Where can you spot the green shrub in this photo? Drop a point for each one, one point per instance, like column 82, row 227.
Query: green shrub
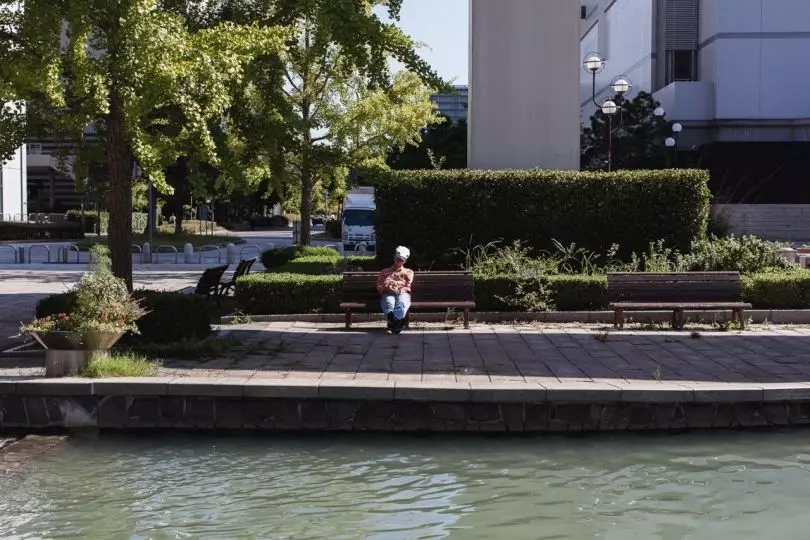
column 435, row 212
column 40, row 231
column 274, row 258
column 362, row 264
column 171, row 316
column 139, row 220
column 314, row 265
column 334, row 228
column 268, row 293
column 744, row 254
column 784, row 290
column 562, row 293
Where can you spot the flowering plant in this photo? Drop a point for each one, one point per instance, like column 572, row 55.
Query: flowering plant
column 52, row 323
column 102, row 304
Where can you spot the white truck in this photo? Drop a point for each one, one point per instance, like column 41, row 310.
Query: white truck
column 357, row 221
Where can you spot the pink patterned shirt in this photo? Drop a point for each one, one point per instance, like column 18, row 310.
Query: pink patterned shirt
column 402, row 279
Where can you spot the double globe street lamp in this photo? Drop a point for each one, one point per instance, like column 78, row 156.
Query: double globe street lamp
column 672, row 141
column 620, row 85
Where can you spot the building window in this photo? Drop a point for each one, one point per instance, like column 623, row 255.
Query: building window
column 681, row 66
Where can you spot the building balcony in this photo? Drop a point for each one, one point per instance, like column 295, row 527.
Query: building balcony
column 688, row 101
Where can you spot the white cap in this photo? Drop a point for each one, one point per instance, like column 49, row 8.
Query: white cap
column 402, row 253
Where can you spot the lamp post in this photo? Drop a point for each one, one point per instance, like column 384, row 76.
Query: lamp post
column 620, row 85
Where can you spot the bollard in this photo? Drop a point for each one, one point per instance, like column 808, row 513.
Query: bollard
column 147, row 253
column 188, row 254
column 231, row 255
column 21, row 256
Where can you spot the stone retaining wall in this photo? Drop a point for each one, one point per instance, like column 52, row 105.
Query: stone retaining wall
column 44, row 413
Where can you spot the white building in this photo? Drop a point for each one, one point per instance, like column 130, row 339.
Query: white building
column 14, row 187
column 728, row 70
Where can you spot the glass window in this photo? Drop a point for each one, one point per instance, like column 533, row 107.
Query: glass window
column 361, row 218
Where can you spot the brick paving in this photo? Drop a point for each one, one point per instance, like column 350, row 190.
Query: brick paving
column 549, row 355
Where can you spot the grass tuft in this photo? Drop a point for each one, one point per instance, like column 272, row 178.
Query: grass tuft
column 119, row 365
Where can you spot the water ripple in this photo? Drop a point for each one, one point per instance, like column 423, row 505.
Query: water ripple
column 695, row 486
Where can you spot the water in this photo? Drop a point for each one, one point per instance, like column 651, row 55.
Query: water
column 712, row 486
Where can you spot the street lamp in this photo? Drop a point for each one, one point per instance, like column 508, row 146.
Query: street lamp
column 621, row 85
column 659, row 112
column 609, row 109
column 593, row 64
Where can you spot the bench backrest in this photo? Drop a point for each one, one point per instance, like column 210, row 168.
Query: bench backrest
column 674, row 287
column 361, row 287
column 243, row 268
column 210, row 279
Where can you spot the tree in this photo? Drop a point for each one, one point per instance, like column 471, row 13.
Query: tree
column 111, row 68
column 331, row 91
column 442, row 144
column 636, row 141
column 12, row 126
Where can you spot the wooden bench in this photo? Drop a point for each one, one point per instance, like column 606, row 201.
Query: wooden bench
column 242, row 269
column 209, row 283
column 430, row 291
column 697, row 291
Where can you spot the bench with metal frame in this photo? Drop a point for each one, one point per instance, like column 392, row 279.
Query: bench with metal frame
column 209, row 283
column 242, row 269
column 431, row 291
column 676, row 291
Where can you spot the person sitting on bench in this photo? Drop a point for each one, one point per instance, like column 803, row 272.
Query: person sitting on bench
column 394, row 284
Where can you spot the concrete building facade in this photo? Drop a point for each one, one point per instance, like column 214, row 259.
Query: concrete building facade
column 14, row 187
column 524, row 63
column 728, row 70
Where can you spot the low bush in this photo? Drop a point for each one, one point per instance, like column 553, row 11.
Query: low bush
column 91, row 220
column 171, row 316
column 359, row 263
column 315, row 265
column 296, row 293
column 274, row 258
column 783, row 290
column 267, row 293
column 40, row 231
column 744, row 254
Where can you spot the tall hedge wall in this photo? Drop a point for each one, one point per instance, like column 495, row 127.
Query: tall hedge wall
column 433, row 212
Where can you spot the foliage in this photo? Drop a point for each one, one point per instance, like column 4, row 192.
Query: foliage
column 39, row 231
column 119, row 364
column 359, row 263
column 328, row 102
column 171, row 316
column 288, row 293
column 745, row 254
column 139, row 220
column 637, row 138
column 782, row 290
column 447, row 140
column 314, row 265
column 61, row 322
column 274, row 258
column 12, row 122
column 449, row 209
column 145, row 81
column 334, row 228
column 560, row 293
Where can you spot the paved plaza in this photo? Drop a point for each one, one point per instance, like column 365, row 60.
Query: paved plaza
column 546, row 355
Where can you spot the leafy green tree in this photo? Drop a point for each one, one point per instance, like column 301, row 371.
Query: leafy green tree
column 331, row 92
column 634, row 135
column 443, row 145
column 111, row 69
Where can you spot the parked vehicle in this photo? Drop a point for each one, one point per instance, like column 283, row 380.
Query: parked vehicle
column 357, row 221
column 319, row 219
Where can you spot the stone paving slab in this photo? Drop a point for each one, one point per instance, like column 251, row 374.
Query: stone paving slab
column 487, row 363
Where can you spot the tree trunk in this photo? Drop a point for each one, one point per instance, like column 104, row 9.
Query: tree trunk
column 119, row 161
column 178, row 222
column 306, row 201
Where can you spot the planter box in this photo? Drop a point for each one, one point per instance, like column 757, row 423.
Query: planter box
column 68, row 352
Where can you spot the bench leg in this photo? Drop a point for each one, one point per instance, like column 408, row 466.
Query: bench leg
column 678, row 321
column 741, row 318
column 466, row 319
column 348, row 318
column 618, row 319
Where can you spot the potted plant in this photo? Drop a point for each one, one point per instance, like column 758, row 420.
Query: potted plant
column 102, row 312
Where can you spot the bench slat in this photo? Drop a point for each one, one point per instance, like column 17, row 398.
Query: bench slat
column 673, row 277
column 679, row 305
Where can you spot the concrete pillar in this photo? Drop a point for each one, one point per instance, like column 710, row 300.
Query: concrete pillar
column 524, row 84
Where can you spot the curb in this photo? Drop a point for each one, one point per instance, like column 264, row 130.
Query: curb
column 758, row 316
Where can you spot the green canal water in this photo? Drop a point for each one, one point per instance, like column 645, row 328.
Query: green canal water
column 712, row 486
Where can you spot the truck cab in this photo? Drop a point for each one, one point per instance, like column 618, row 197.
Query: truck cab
column 357, row 222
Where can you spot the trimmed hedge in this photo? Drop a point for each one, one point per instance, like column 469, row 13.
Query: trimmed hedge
column 172, row 316
column 435, row 212
column 365, row 264
column 40, row 231
column 315, row 265
column 262, row 294
column 275, row 258
column 139, row 220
